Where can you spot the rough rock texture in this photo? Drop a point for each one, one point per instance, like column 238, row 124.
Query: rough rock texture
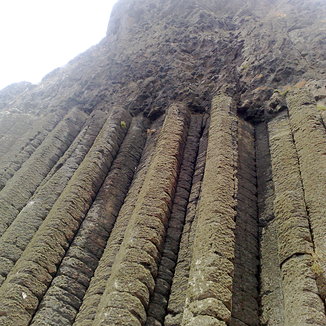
column 172, row 175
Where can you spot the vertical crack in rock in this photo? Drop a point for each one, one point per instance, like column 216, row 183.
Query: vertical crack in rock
column 245, row 297
column 323, row 118
column 35, row 269
column 158, row 304
column 209, row 293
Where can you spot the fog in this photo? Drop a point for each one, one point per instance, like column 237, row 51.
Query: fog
column 37, row 36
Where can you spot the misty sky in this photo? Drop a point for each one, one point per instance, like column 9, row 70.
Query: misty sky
column 37, row 36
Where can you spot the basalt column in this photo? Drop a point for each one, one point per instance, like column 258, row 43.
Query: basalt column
column 209, row 293
column 290, row 205
column 15, row 239
column 159, row 300
column 102, row 273
column 309, row 135
column 21, row 186
column 176, row 300
column 302, row 304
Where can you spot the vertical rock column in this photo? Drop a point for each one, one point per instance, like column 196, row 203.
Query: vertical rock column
column 181, row 274
column 310, row 140
column 208, row 299
column 157, row 308
column 127, row 293
column 30, row 278
column 271, row 295
column 302, row 305
column 245, row 282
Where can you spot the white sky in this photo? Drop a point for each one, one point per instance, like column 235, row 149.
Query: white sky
column 37, row 36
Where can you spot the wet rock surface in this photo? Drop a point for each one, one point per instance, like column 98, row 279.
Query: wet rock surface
column 172, row 175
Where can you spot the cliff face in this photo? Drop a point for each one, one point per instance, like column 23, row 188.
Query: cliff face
column 172, row 175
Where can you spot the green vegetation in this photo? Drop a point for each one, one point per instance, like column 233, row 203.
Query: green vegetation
column 321, row 107
column 282, row 93
column 316, row 267
column 245, row 66
column 123, row 124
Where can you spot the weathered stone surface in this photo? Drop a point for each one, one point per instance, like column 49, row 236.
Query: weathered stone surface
column 302, row 303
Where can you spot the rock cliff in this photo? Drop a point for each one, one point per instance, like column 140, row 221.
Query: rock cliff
column 172, row 175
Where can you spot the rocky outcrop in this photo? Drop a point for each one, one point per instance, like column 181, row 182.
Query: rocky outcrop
column 171, row 175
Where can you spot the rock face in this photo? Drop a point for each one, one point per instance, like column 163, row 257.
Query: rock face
column 173, row 175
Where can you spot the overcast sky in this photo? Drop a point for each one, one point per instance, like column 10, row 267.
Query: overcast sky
column 37, row 36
